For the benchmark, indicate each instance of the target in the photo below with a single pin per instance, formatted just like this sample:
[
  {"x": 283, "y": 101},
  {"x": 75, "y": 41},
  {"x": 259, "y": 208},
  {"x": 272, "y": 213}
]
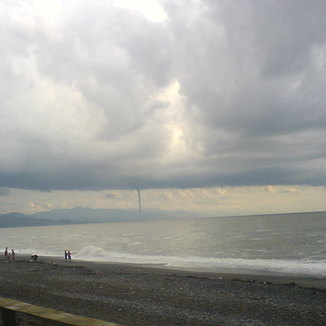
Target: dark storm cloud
[
  {"x": 89, "y": 95},
  {"x": 264, "y": 73}
]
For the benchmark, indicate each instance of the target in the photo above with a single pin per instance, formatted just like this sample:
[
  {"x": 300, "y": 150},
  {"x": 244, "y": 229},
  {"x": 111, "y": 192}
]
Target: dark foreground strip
[{"x": 15, "y": 312}]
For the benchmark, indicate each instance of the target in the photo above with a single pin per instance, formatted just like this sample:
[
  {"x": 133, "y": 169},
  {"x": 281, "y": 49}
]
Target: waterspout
[{"x": 139, "y": 203}]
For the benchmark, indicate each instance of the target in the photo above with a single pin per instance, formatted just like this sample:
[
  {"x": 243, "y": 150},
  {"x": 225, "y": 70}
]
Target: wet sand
[{"x": 140, "y": 295}]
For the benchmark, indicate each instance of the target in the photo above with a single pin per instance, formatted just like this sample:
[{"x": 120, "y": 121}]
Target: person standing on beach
[
  {"x": 6, "y": 253},
  {"x": 69, "y": 255},
  {"x": 66, "y": 255},
  {"x": 13, "y": 254}
]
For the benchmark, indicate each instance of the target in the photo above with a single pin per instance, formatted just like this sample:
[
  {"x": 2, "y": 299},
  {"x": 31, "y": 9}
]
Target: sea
[{"x": 287, "y": 244}]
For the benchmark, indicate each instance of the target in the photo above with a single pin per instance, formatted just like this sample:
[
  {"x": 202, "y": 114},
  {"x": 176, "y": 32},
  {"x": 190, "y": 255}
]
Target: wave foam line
[{"x": 305, "y": 267}]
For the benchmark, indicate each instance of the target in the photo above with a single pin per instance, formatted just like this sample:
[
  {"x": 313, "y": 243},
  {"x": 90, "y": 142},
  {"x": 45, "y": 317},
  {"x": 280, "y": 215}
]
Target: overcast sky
[{"x": 162, "y": 95}]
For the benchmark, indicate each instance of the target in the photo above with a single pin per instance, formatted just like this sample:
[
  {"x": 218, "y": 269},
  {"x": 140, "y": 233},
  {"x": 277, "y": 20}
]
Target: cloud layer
[{"x": 96, "y": 95}]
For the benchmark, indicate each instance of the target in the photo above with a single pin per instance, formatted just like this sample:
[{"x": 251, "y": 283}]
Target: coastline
[
  {"x": 302, "y": 280},
  {"x": 133, "y": 294}
]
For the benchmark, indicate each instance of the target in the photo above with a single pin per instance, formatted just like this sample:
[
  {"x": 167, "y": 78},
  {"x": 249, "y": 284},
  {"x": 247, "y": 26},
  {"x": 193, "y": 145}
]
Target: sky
[{"x": 214, "y": 107}]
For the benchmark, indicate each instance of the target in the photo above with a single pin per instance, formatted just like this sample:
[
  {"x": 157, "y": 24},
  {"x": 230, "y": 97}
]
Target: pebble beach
[{"x": 131, "y": 294}]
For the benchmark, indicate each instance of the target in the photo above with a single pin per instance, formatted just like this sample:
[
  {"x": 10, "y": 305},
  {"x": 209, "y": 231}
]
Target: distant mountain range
[{"x": 83, "y": 215}]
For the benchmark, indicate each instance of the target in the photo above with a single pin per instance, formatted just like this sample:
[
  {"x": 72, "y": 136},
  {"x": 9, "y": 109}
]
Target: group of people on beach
[
  {"x": 67, "y": 255},
  {"x": 10, "y": 255}
]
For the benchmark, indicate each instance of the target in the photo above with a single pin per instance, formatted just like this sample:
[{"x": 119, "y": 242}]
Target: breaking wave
[{"x": 301, "y": 267}]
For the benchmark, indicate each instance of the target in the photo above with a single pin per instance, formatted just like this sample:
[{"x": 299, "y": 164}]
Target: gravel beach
[{"x": 140, "y": 295}]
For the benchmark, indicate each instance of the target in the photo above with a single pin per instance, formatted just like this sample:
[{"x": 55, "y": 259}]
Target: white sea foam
[
  {"x": 302, "y": 267},
  {"x": 91, "y": 252}
]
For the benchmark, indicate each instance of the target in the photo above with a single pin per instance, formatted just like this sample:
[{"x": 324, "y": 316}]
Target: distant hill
[
  {"x": 82, "y": 215},
  {"x": 17, "y": 219}
]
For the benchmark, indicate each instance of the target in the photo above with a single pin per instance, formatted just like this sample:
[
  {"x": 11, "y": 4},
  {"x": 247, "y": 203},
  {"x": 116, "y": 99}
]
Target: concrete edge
[{"x": 50, "y": 314}]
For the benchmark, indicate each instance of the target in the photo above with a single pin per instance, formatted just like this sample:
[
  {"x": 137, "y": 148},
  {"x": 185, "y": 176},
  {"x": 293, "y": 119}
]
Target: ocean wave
[
  {"x": 302, "y": 267},
  {"x": 91, "y": 252}
]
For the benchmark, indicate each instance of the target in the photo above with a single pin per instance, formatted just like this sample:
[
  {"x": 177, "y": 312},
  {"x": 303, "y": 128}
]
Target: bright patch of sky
[{"x": 151, "y": 9}]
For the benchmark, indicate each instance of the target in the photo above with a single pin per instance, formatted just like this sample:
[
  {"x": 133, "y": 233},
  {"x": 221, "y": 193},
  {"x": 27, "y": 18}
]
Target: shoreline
[
  {"x": 303, "y": 280},
  {"x": 136, "y": 294},
  {"x": 281, "y": 267}
]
